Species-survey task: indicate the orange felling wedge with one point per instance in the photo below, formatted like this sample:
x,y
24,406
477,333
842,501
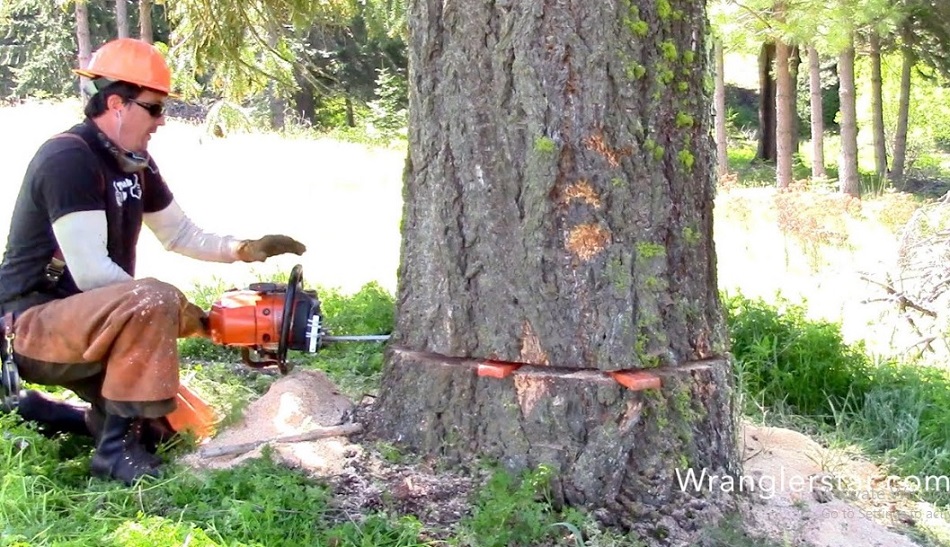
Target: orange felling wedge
x,y
192,414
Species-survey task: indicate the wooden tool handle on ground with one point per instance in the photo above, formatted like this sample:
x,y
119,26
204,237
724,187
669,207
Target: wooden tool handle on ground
x,y
312,435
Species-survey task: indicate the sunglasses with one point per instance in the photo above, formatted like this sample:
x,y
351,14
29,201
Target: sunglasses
x,y
155,110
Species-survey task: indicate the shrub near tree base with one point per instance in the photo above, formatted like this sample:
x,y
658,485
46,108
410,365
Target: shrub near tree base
x,y
899,412
785,358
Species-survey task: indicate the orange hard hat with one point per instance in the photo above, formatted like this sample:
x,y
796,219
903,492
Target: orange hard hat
x,y
130,60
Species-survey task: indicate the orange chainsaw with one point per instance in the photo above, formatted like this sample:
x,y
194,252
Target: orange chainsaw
x,y
271,318
265,321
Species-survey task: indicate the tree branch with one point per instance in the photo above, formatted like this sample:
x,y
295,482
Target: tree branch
x,y
312,435
752,12
900,298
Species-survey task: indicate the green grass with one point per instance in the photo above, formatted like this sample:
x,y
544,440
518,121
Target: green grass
x,y
790,366
507,510
753,173
260,503
786,358
48,500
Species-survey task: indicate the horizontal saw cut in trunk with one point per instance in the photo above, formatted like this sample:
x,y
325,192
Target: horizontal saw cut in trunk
x,y
557,299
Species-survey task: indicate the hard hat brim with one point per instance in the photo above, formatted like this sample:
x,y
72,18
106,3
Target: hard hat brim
x,y
92,75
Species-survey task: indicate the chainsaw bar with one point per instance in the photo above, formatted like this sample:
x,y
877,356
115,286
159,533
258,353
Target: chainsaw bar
x,y
364,338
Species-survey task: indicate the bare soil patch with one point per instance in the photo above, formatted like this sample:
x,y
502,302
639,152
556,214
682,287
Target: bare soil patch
x,y
809,495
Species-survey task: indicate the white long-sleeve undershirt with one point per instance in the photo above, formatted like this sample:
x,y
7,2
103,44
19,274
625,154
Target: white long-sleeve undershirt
x,y
82,237
179,234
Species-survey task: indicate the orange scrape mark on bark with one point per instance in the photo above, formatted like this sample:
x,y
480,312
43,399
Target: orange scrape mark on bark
x,y
586,240
583,191
531,351
529,391
596,143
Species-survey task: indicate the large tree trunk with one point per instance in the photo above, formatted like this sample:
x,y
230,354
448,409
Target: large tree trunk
x,y
350,115
877,109
794,63
767,150
848,162
122,18
145,21
783,116
83,42
903,114
817,115
276,98
557,245
722,149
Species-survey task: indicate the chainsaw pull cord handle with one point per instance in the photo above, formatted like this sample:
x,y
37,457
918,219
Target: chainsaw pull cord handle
x,y
9,375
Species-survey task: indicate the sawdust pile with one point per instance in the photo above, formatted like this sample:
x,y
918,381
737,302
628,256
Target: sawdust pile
x,y
360,478
297,403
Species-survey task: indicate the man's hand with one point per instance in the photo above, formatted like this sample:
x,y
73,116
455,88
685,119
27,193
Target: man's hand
x,y
258,250
194,322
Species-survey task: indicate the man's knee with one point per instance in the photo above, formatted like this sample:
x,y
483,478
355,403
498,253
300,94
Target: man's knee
x,y
153,296
155,287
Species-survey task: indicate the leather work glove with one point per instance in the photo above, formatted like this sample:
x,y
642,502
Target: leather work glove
x,y
258,250
194,322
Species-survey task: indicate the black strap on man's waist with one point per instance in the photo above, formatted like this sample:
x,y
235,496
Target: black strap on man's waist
x,y
9,375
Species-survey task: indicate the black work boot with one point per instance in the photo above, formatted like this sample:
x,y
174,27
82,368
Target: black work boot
x,y
53,416
146,445
120,454
156,432
95,421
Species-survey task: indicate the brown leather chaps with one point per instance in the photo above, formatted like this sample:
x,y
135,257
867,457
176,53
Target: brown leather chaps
x,y
114,346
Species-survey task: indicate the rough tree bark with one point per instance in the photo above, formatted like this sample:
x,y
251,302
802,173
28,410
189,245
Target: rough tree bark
x,y
719,102
767,150
817,116
557,241
903,115
848,161
877,108
794,63
122,18
145,21
83,41
783,116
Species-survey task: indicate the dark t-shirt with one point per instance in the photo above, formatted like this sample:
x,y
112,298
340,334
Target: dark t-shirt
x,y
66,176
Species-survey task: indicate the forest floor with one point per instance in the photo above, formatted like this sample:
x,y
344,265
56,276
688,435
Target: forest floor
x,y
362,479
796,493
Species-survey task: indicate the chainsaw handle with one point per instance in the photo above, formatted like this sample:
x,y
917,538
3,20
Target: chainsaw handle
x,y
294,285
261,363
